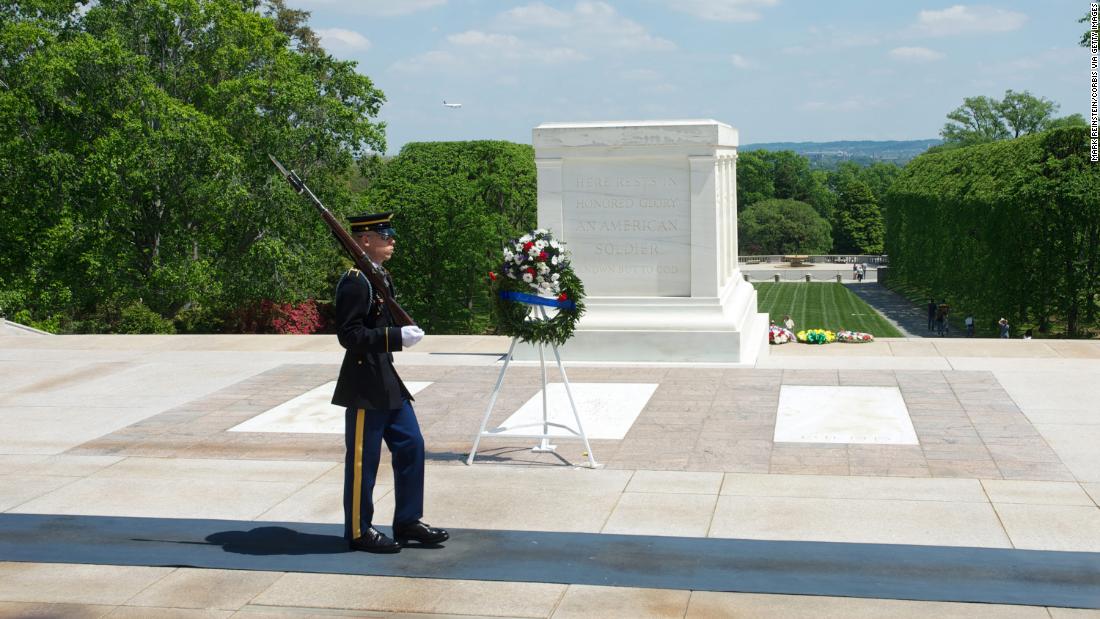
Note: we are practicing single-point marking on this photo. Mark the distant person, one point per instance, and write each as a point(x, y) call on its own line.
point(931, 313)
point(1027, 334)
point(1003, 325)
point(942, 311)
point(969, 325)
point(855, 271)
point(788, 323)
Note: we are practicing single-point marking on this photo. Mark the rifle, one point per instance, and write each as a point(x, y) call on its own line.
point(400, 316)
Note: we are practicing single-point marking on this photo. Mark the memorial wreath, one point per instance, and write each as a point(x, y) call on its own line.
point(536, 272)
point(854, 337)
point(779, 335)
point(816, 336)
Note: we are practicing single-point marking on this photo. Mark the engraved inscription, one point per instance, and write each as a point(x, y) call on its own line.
point(628, 225)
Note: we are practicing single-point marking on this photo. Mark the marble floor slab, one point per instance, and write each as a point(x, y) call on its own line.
point(310, 413)
point(828, 414)
point(607, 410)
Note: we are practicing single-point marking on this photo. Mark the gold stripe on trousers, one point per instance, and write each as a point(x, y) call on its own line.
point(357, 476)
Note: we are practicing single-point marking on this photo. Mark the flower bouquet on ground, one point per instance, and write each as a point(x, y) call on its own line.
point(779, 335)
point(853, 337)
point(816, 336)
point(537, 296)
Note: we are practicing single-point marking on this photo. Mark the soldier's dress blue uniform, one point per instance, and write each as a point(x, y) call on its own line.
point(378, 407)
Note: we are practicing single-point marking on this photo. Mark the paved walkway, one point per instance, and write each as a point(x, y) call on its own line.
point(910, 318)
point(95, 430)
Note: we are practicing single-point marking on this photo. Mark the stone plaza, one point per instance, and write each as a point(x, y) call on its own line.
point(200, 476)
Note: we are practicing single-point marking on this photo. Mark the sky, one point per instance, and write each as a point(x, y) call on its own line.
point(777, 70)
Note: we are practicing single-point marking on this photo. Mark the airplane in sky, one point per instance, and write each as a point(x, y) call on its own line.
point(451, 105)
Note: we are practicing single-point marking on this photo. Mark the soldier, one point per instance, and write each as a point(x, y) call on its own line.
point(379, 407)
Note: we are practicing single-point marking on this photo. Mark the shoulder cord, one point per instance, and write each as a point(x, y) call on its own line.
point(370, 289)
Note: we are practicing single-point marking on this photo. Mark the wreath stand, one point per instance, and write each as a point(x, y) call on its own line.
point(545, 436)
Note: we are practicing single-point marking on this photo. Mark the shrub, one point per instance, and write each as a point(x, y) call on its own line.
point(1010, 228)
point(136, 318)
point(284, 318)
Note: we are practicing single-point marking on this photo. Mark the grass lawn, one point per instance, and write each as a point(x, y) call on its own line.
point(821, 305)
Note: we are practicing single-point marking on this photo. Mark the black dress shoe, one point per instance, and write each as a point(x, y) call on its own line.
point(419, 532)
point(374, 540)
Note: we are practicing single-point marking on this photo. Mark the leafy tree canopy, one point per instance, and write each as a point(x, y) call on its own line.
point(763, 175)
point(455, 203)
point(859, 227)
point(985, 119)
point(134, 152)
point(782, 227)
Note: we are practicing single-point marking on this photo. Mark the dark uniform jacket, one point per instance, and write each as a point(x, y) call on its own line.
point(365, 328)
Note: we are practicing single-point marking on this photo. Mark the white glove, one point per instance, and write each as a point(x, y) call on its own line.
point(410, 335)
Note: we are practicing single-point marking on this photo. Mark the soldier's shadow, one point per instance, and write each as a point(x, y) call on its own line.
point(277, 541)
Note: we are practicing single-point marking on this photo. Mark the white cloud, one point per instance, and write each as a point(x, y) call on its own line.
point(829, 39)
point(963, 19)
point(379, 8)
point(536, 15)
point(741, 62)
point(340, 39)
point(474, 49)
point(546, 36)
point(427, 62)
point(722, 10)
point(479, 38)
point(915, 54)
point(587, 26)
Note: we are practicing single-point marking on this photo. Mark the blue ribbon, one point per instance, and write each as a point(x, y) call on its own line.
point(521, 297)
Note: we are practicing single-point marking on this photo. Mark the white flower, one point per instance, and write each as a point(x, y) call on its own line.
point(542, 231)
point(555, 277)
point(540, 244)
point(554, 244)
point(543, 268)
point(518, 258)
point(525, 238)
point(553, 260)
point(511, 275)
point(527, 277)
point(508, 255)
point(533, 252)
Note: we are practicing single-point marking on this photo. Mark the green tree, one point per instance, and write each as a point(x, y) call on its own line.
point(1024, 113)
point(984, 119)
point(1065, 122)
point(137, 164)
point(763, 175)
point(859, 225)
point(782, 227)
point(755, 181)
point(976, 121)
point(454, 204)
point(1086, 37)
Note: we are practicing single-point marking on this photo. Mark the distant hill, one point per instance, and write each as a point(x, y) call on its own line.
point(829, 154)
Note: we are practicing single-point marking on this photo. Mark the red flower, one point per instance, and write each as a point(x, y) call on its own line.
point(542, 256)
point(562, 297)
point(528, 245)
point(492, 276)
point(531, 270)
